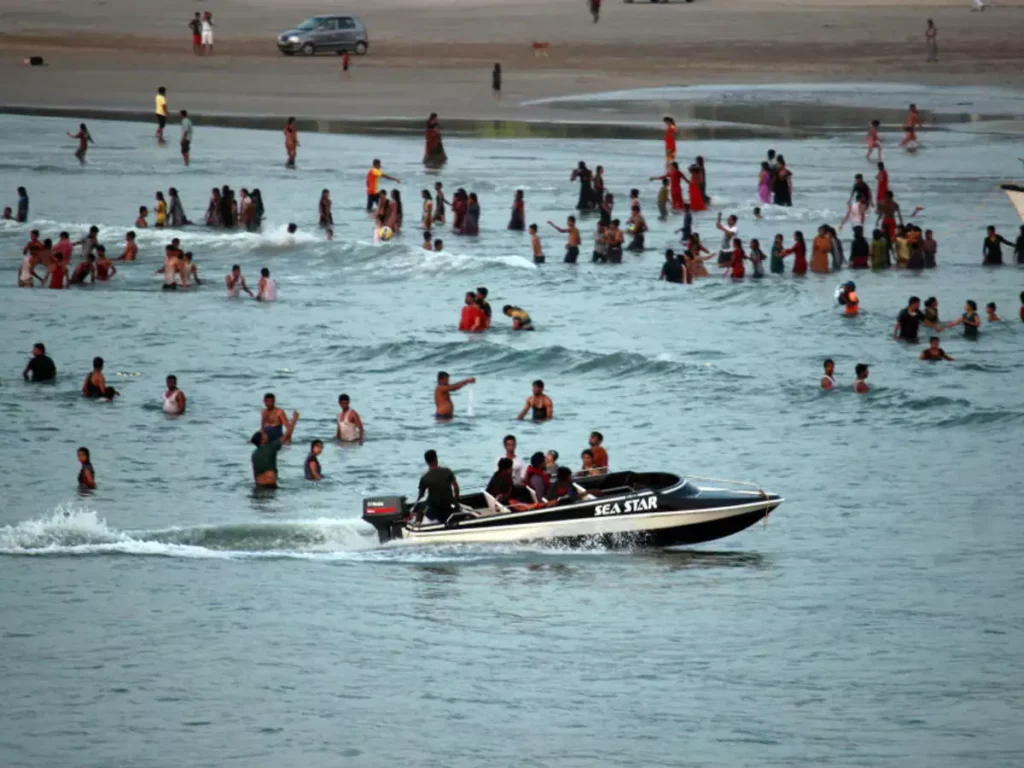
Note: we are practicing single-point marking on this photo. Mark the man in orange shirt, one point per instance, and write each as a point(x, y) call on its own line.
point(599, 453)
point(373, 177)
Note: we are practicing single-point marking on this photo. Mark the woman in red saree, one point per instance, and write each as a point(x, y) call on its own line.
point(675, 178)
point(434, 155)
point(696, 193)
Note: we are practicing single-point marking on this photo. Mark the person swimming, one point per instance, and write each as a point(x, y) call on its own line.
point(520, 318)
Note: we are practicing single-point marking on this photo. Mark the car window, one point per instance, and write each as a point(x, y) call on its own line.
point(309, 24)
point(328, 24)
point(346, 23)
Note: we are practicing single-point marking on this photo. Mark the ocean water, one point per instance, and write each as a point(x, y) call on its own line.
point(175, 617)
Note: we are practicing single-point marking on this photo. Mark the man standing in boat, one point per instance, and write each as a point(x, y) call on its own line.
point(441, 489)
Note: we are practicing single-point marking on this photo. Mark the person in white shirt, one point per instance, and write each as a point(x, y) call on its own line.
point(267, 288)
point(207, 37)
point(518, 465)
point(729, 230)
point(350, 426)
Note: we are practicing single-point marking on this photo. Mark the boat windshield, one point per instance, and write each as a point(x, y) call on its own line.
point(309, 24)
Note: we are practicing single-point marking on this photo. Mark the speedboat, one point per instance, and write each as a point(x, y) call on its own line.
point(621, 509)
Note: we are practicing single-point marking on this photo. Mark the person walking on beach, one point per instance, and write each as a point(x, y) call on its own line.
point(345, 61)
point(595, 9)
point(196, 25)
point(84, 140)
point(496, 81)
point(161, 113)
point(291, 141)
point(207, 34)
point(186, 136)
point(931, 35)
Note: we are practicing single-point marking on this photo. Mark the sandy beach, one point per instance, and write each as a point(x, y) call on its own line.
point(436, 56)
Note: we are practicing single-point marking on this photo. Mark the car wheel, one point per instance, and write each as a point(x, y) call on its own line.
point(308, 49)
point(361, 47)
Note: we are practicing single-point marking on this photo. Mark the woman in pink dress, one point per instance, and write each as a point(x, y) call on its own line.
point(764, 183)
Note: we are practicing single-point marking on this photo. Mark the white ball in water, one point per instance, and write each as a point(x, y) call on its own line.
point(385, 233)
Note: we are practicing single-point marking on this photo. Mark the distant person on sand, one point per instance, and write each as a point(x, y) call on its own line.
point(434, 155)
point(186, 136)
point(595, 9)
point(874, 142)
point(84, 140)
point(931, 35)
point(496, 81)
point(345, 61)
point(196, 25)
point(207, 34)
point(444, 410)
point(291, 141)
point(161, 113)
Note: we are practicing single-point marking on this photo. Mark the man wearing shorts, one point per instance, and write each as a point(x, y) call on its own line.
point(186, 135)
point(161, 112)
point(196, 25)
point(207, 38)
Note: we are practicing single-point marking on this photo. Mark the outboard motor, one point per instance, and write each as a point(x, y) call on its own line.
point(387, 514)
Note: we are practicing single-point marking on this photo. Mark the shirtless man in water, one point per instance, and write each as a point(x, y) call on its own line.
point(443, 407)
point(273, 421)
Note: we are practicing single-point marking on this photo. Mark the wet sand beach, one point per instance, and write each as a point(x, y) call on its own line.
point(430, 56)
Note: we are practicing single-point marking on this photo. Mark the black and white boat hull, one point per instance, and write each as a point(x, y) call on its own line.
point(620, 509)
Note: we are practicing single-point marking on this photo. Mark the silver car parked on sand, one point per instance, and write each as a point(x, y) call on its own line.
point(330, 33)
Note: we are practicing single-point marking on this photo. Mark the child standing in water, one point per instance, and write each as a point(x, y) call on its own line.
point(538, 252)
point(84, 140)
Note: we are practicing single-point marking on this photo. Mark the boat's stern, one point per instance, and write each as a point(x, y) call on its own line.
point(387, 514)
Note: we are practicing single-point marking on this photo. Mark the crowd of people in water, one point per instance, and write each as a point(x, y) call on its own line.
point(895, 243)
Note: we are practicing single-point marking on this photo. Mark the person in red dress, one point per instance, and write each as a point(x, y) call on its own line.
point(670, 141)
point(799, 253)
point(675, 179)
point(696, 190)
point(883, 183)
point(736, 266)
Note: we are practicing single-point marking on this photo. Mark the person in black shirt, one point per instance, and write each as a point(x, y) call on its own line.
point(908, 321)
point(1018, 249)
point(562, 491)
point(481, 301)
point(40, 366)
point(442, 489)
point(671, 270)
point(500, 485)
point(992, 247)
point(196, 25)
point(312, 465)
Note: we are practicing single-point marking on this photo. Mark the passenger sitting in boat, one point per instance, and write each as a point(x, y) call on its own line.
point(562, 491)
point(536, 478)
point(587, 457)
point(501, 482)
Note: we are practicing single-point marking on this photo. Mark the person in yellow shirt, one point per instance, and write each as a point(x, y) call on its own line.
point(373, 177)
point(161, 113)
